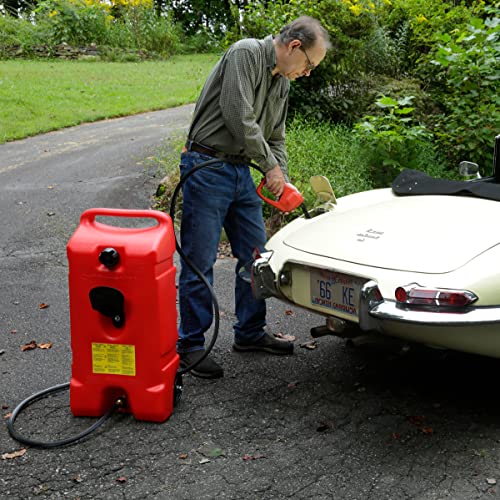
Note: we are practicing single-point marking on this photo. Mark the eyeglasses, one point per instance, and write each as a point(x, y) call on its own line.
point(310, 66)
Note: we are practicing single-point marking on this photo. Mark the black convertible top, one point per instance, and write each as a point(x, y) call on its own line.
point(412, 182)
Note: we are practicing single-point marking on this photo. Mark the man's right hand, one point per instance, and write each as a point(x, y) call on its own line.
point(275, 181)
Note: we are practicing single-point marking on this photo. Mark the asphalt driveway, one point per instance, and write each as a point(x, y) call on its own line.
point(334, 420)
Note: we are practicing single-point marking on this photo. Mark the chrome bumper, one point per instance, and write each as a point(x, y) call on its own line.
point(374, 310)
point(263, 278)
point(391, 311)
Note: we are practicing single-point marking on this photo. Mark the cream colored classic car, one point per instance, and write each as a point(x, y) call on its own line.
point(419, 261)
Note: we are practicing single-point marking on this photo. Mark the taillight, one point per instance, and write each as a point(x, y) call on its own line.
point(441, 297)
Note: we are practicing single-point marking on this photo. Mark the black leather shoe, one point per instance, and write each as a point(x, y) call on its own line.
point(208, 368)
point(266, 344)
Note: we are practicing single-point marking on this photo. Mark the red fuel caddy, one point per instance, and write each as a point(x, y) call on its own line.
point(123, 315)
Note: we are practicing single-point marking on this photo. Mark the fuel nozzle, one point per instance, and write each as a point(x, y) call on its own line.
point(290, 198)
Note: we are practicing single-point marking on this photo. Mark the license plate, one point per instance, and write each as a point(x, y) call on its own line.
point(336, 291)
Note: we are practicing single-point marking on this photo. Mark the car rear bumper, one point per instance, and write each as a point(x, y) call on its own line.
point(391, 311)
point(374, 311)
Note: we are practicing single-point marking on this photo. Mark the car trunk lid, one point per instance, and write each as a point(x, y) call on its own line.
point(435, 234)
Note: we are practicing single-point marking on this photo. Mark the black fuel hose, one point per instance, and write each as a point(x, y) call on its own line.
point(193, 267)
point(54, 444)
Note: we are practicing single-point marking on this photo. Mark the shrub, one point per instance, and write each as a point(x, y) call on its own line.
point(415, 22)
point(393, 142)
point(75, 22)
point(20, 34)
point(467, 77)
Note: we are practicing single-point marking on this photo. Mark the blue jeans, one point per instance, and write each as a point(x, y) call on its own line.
point(220, 195)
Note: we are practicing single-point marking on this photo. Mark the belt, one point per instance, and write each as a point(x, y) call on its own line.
point(206, 150)
point(200, 148)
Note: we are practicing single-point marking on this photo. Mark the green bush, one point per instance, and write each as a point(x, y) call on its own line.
point(467, 79)
point(130, 25)
point(392, 142)
point(415, 22)
point(140, 27)
point(75, 22)
point(19, 33)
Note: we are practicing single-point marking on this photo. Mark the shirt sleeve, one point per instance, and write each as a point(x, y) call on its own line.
point(236, 102)
point(277, 142)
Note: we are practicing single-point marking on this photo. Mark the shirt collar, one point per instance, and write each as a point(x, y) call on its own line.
point(270, 52)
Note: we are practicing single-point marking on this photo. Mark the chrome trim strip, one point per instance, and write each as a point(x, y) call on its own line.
point(389, 310)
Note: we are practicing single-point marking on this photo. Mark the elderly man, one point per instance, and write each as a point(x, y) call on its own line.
point(239, 117)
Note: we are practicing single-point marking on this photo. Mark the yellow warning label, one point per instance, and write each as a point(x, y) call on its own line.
point(115, 359)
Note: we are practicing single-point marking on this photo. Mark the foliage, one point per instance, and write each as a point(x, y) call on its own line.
point(118, 24)
point(16, 32)
point(198, 16)
point(139, 27)
point(413, 24)
point(393, 142)
point(467, 83)
point(75, 22)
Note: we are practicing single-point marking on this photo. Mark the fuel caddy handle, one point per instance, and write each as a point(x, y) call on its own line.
point(289, 200)
point(88, 217)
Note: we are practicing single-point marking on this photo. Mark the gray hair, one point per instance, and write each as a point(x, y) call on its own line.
point(306, 29)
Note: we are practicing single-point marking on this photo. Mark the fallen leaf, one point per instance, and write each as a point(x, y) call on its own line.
point(4, 407)
point(289, 312)
point(293, 385)
point(396, 435)
point(7, 415)
point(310, 345)
point(247, 458)
point(14, 454)
point(427, 430)
point(78, 478)
point(282, 336)
point(204, 461)
point(183, 456)
point(13, 331)
point(216, 452)
point(43, 305)
point(48, 345)
point(121, 479)
point(416, 419)
point(29, 346)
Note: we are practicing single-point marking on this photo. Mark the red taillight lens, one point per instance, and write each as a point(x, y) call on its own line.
point(416, 295)
point(401, 294)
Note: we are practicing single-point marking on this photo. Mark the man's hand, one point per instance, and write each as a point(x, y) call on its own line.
point(275, 181)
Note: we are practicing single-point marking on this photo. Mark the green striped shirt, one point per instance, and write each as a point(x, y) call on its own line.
point(242, 107)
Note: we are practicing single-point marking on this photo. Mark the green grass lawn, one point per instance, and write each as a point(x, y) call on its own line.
point(40, 96)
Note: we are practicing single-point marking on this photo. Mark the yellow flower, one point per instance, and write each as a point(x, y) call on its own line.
point(421, 19)
point(356, 9)
point(53, 13)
